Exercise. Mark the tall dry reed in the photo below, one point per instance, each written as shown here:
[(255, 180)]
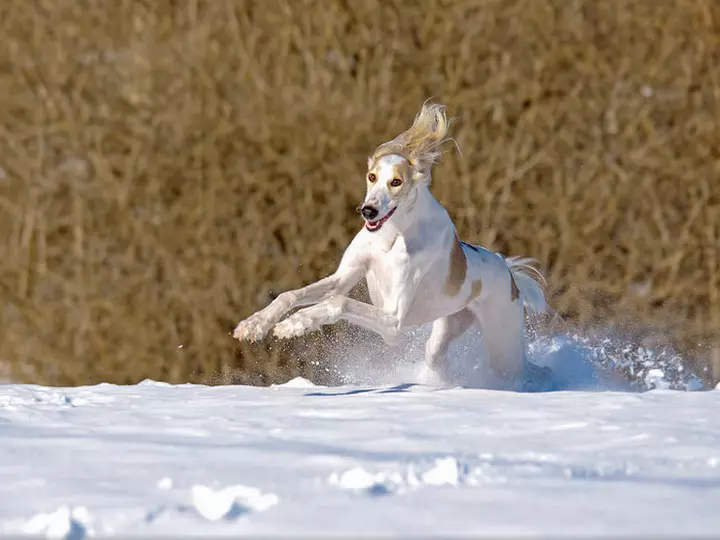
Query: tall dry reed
[(168, 166)]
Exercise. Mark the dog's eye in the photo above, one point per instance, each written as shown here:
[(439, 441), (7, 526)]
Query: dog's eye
[(372, 178), (396, 182)]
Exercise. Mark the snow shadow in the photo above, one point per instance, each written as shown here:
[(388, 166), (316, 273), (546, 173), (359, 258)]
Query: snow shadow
[(398, 388)]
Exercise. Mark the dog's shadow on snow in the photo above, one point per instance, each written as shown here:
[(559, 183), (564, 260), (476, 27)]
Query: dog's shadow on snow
[(398, 388)]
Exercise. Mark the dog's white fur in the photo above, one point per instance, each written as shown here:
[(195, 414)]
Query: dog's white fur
[(417, 270)]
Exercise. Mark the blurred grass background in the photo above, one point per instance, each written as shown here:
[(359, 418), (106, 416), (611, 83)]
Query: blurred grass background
[(166, 167)]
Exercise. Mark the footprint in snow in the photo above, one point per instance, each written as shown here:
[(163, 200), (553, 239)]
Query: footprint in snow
[(446, 471), (443, 472), (230, 502), (358, 479), (64, 523)]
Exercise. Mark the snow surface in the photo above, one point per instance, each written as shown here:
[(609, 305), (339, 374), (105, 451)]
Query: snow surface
[(391, 458)]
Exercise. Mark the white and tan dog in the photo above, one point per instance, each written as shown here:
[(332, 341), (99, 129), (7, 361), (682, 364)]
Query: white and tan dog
[(417, 270)]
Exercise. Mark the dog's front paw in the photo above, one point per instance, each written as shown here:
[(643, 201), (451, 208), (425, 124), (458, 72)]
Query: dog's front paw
[(254, 328), (294, 326)]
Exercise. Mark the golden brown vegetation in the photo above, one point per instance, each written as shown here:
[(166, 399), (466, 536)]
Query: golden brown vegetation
[(167, 166)]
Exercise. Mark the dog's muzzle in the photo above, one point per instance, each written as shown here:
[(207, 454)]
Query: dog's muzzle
[(369, 212), (373, 226)]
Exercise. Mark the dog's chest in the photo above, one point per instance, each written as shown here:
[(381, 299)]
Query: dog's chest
[(391, 273), (387, 272)]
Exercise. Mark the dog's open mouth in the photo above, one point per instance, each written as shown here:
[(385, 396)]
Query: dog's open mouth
[(373, 226)]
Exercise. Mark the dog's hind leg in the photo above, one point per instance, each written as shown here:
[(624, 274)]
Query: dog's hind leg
[(503, 336), (502, 321), (444, 331)]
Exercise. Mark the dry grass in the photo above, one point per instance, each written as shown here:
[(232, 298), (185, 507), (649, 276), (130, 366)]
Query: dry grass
[(169, 165)]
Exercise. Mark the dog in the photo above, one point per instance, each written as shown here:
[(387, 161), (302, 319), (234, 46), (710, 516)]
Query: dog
[(417, 270)]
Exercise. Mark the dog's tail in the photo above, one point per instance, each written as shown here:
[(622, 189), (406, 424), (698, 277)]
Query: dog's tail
[(530, 282)]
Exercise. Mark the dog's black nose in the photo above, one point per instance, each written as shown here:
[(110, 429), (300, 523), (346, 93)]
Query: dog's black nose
[(368, 212)]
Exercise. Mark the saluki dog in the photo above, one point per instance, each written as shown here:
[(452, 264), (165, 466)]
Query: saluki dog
[(416, 268)]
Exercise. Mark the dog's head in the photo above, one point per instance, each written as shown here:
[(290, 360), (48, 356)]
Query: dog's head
[(399, 166), (389, 182)]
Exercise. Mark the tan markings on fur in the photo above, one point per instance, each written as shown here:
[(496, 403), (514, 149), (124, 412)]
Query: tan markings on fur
[(400, 170), (457, 270), (514, 291), (476, 290)]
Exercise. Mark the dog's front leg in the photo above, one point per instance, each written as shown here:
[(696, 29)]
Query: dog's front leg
[(337, 308), (257, 325), (387, 322)]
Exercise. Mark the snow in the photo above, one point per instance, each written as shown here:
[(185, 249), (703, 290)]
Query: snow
[(191, 459), (397, 457)]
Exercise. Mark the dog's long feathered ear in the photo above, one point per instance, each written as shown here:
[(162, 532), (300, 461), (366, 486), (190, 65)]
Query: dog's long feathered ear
[(421, 142), (426, 135)]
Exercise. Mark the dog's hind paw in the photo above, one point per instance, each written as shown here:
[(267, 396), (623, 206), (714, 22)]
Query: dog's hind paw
[(254, 328), (537, 378)]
